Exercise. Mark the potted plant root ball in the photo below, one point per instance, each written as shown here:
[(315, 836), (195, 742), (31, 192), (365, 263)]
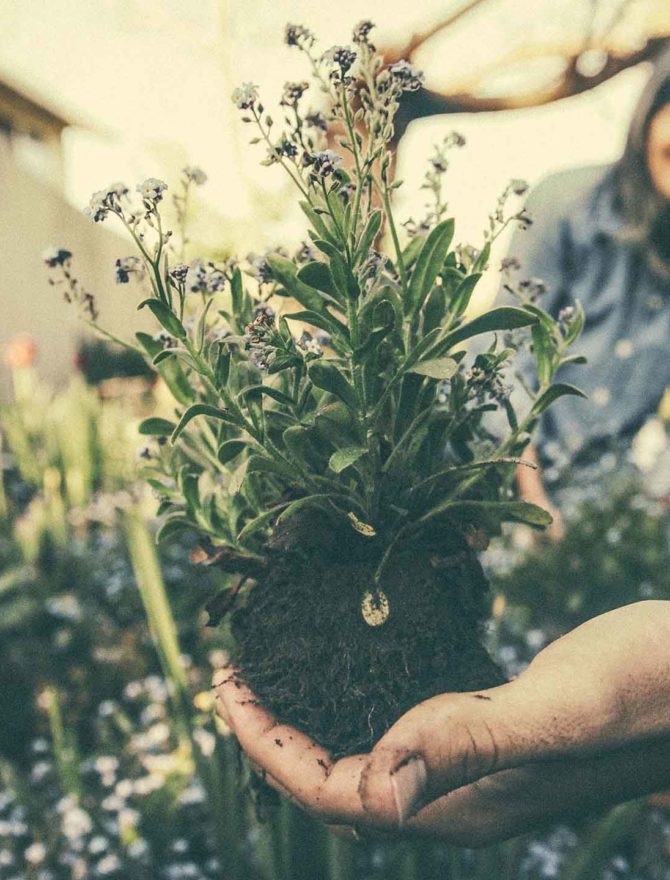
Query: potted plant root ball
[(334, 439)]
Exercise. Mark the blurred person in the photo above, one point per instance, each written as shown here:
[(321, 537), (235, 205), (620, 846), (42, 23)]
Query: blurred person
[(584, 727), (601, 235)]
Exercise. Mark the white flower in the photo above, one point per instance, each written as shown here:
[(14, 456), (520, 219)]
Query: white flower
[(152, 189), (106, 764), (206, 741), (76, 823), (245, 96), (108, 865), (98, 845), (124, 788), (35, 853), (98, 206), (138, 848)]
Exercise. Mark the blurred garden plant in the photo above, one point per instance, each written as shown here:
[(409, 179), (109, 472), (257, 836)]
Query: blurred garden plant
[(345, 472)]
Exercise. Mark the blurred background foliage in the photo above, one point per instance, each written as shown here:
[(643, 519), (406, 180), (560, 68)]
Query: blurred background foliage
[(112, 762)]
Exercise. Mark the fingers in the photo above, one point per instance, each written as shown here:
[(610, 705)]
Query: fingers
[(294, 763), (436, 747)]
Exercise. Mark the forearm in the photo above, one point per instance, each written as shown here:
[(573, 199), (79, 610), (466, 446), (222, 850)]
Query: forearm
[(514, 802), (603, 686)]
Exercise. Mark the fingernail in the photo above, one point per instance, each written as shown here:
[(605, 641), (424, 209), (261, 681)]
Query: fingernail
[(409, 785)]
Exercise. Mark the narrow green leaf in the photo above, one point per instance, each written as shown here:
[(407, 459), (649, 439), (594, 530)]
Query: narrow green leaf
[(428, 265), (171, 526), (503, 318), (263, 519), (495, 511), (230, 449), (238, 477), (257, 391), (346, 284), (157, 427), (560, 389), (323, 321), (463, 294), (317, 274), (237, 293), (165, 316), (368, 235), (326, 376), (284, 272), (201, 409), (436, 368), (149, 344), (308, 501), (343, 458), (163, 356)]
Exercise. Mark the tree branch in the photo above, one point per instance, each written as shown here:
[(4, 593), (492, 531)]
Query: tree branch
[(424, 102)]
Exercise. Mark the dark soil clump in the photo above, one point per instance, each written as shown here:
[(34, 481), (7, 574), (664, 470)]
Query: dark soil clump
[(305, 649)]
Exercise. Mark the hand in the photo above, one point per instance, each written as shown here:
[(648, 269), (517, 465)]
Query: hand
[(585, 726)]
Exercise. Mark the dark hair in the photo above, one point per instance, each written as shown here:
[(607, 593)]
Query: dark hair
[(644, 211)]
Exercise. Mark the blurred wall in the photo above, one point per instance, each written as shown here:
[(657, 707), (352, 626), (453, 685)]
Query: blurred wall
[(34, 216)]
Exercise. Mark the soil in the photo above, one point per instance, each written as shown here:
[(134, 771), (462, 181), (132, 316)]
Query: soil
[(305, 649)]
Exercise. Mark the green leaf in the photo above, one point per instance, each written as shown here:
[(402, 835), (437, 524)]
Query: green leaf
[(412, 250), (482, 260), (434, 310), (230, 449), (262, 464), (284, 272), (257, 391), (237, 293), (343, 458), (308, 501), (165, 316), (222, 369), (175, 378), (157, 427), (560, 389), (149, 344), (317, 222), (238, 477), (368, 235), (317, 274), (323, 321), (436, 368), (494, 511), (503, 318), (463, 293), (346, 284), (263, 519), (544, 350), (163, 356), (428, 265), (201, 409), (325, 375), (171, 526)]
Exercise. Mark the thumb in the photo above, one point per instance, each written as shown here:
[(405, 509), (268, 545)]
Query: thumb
[(438, 746)]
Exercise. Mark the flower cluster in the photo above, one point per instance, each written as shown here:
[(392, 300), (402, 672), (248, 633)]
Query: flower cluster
[(292, 93), (246, 96), (152, 190), (54, 256), (125, 267), (298, 35), (258, 336)]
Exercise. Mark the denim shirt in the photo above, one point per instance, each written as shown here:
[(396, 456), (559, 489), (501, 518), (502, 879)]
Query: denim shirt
[(572, 246)]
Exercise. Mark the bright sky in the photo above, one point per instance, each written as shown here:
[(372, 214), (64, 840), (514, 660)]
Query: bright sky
[(152, 79)]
